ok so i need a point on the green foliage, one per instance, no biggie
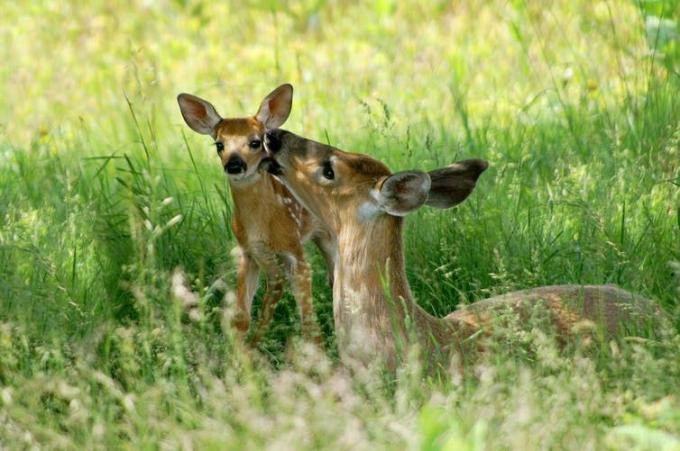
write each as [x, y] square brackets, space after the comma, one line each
[662, 31]
[104, 194]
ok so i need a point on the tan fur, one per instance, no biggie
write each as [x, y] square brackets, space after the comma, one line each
[270, 225]
[376, 317]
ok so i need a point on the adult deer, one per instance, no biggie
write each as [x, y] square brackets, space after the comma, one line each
[269, 224]
[362, 203]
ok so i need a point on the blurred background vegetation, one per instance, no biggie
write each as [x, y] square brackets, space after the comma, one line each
[104, 192]
[421, 61]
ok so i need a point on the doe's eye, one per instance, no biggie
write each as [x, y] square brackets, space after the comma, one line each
[219, 146]
[328, 171]
[255, 144]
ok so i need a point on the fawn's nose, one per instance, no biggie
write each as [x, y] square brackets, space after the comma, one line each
[235, 165]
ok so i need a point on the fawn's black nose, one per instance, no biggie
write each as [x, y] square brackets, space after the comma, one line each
[235, 165]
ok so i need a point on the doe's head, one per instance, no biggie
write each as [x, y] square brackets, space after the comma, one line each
[239, 141]
[341, 187]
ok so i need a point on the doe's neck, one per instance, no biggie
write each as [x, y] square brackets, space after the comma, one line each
[371, 255]
[373, 304]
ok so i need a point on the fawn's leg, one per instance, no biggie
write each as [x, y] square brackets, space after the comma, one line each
[301, 281]
[248, 274]
[275, 279]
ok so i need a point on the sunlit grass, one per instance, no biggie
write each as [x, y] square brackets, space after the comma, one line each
[104, 193]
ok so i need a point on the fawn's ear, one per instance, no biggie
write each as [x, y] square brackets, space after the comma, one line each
[453, 184]
[275, 108]
[199, 114]
[403, 192]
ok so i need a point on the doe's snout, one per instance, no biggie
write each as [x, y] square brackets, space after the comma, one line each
[272, 142]
[235, 165]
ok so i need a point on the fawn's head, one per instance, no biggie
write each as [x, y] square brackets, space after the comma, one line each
[239, 141]
[342, 187]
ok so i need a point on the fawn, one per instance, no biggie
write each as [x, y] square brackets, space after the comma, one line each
[269, 224]
[362, 203]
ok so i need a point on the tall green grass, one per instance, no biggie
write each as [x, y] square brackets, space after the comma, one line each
[104, 193]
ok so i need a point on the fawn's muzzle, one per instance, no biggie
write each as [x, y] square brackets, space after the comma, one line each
[235, 165]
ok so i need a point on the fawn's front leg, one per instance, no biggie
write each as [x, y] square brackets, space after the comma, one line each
[248, 274]
[301, 281]
[275, 280]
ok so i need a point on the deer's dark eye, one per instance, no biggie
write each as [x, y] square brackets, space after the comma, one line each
[219, 146]
[328, 170]
[255, 144]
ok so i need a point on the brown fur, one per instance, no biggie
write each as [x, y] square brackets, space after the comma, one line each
[269, 224]
[373, 305]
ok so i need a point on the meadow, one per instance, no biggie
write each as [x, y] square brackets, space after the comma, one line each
[116, 275]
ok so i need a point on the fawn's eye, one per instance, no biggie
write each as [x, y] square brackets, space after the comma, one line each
[219, 146]
[328, 170]
[255, 144]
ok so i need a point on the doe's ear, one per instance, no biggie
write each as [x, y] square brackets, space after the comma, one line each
[275, 108]
[199, 114]
[453, 184]
[403, 192]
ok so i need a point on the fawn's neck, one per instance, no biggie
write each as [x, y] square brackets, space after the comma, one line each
[248, 191]
[258, 198]
[257, 203]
